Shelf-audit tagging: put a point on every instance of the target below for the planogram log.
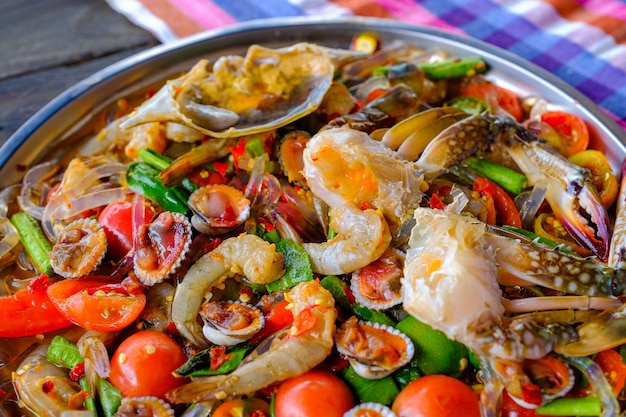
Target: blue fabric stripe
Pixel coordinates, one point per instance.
(259, 9)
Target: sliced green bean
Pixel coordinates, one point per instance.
(585, 406)
(455, 67)
(35, 242)
(512, 181)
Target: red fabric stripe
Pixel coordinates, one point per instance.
(178, 22)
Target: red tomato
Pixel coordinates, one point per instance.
(493, 95)
(29, 312)
(117, 221)
(436, 396)
(512, 409)
(573, 131)
(613, 368)
(143, 364)
(249, 407)
(312, 394)
(94, 304)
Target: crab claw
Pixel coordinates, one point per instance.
(569, 191)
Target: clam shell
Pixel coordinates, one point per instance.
(219, 334)
(378, 285)
(145, 406)
(218, 209)
(79, 249)
(227, 100)
(366, 365)
(370, 409)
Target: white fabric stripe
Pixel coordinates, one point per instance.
(321, 7)
(142, 17)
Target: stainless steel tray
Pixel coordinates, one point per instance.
(64, 115)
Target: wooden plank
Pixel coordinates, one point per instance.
(41, 34)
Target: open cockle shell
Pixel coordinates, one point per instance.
(79, 249)
(228, 323)
(218, 209)
(374, 350)
(237, 96)
(370, 409)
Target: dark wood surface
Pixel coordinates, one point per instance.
(46, 46)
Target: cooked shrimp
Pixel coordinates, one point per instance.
(362, 237)
(245, 254)
(284, 355)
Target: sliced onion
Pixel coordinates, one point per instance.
(7, 196)
(601, 387)
(459, 201)
(35, 188)
(285, 230)
(529, 203)
(10, 237)
(60, 209)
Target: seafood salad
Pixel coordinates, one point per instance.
(380, 230)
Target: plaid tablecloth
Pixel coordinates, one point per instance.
(581, 41)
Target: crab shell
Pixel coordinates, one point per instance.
(374, 350)
(370, 409)
(218, 209)
(237, 96)
(79, 249)
(228, 323)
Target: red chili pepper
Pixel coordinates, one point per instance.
(505, 210)
(77, 371)
(613, 368)
(218, 357)
(238, 151)
(436, 203)
(304, 321)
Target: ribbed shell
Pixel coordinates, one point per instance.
(80, 248)
(378, 285)
(370, 409)
(218, 209)
(221, 335)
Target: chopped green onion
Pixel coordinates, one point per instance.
(456, 67)
(63, 352)
(540, 239)
(380, 71)
(155, 159)
(470, 105)
(110, 397)
(585, 406)
(297, 266)
(512, 181)
(35, 242)
(144, 179)
(254, 147)
(89, 400)
(382, 390)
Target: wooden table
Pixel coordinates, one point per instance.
(46, 46)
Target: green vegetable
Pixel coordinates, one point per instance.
(456, 67)
(89, 401)
(382, 390)
(63, 352)
(470, 105)
(254, 147)
(338, 289)
(200, 363)
(585, 406)
(434, 352)
(297, 266)
(144, 179)
(533, 236)
(160, 162)
(110, 397)
(35, 242)
(407, 374)
(512, 181)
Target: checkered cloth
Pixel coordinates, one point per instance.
(581, 41)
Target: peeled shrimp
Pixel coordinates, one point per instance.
(344, 166)
(245, 254)
(362, 237)
(284, 355)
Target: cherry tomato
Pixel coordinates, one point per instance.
(602, 174)
(505, 210)
(613, 368)
(278, 318)
(312, 394)
(512, 409)
(30, 311)
(117, 221)
(143, 363)
(436, 396)
(493, 95)
(573, 131)
(247, 407)
(95, 304)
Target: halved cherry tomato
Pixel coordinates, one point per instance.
(29, 312)
(436, 396)
(572, 129)
(278, 318)
(117, 221)
(243, 407)
(493, 95)
(142, 365)
(94, 304)
(613, 368)
(312, 394)
(505, 210)
(602, 174)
